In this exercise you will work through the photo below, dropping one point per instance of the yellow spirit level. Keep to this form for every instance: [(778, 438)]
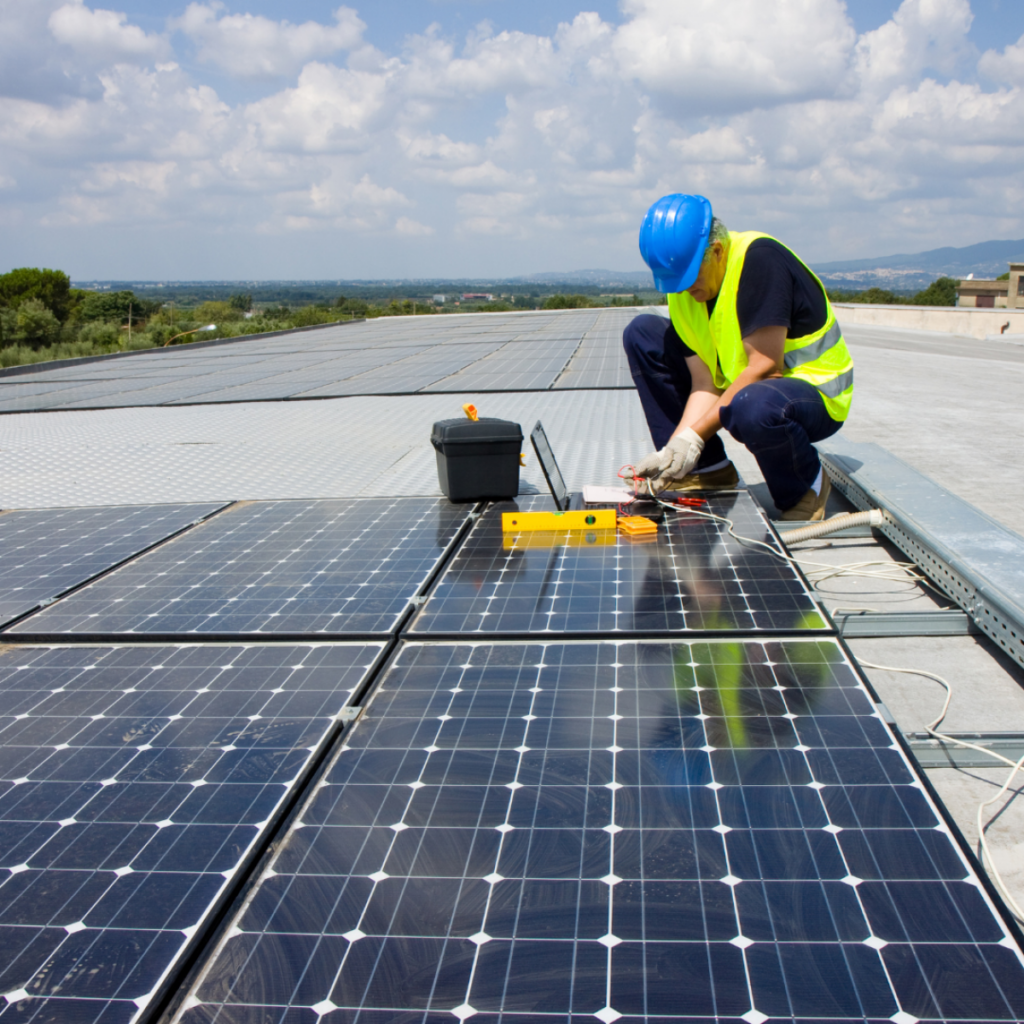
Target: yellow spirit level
[(598, 519)]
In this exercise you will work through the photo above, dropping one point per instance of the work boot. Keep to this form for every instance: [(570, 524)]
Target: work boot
[(724, 479), (811, 507)]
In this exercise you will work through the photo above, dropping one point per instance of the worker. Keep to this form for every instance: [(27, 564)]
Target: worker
[(751, 344)]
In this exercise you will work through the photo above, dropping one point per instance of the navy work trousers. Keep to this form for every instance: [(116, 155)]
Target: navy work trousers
[(776, 419)]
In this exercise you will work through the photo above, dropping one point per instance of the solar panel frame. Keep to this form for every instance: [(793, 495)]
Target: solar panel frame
[(472, 853), (35, 546), (299, 569), (140, 784), (691, 577)]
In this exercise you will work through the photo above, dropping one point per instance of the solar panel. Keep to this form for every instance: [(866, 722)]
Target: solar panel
[(411, 373), (516, 366), (632, 830), (44, 553), (136, 783), (692, 576), (345, 566)]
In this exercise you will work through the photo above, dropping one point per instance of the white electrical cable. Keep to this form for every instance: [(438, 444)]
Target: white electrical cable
[(887, 572), (1015, 766), (856, 569)]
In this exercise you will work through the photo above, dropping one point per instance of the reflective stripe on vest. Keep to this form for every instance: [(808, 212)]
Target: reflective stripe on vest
[(820, 358), (834, 388), (807, 354)]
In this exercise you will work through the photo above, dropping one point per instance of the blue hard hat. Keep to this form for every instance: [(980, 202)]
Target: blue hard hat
[(673, 238)]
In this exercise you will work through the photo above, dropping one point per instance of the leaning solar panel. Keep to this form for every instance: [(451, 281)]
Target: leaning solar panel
[(137, 782), (340, 566), (660, 831), (691, 576), (44, 553)]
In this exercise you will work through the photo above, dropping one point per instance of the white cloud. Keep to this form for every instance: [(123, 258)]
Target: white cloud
[(1007, 66), (511, 151), (719, 54), (251, 46), (103, 36), (329, 109), (412, 228), (922, 35)]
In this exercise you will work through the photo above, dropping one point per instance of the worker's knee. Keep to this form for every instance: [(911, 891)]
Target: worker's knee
[(644, 335), (752, 412)]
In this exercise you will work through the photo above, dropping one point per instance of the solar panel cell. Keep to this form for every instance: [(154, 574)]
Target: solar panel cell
[(692, 576), (128, 803), (335, 567), (467, 855), (44, 553)]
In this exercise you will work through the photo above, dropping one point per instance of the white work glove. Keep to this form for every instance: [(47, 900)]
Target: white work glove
[(673, 462)]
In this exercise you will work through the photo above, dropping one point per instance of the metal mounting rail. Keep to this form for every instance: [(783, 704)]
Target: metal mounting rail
[(933, 753), (970, 557), (932, 623)]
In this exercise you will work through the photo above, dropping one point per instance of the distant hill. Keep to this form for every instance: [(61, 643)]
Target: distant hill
[(902, 272), (631, 279), (911, 271)]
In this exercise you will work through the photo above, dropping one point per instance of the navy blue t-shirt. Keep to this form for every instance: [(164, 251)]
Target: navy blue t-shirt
[(775, 290)]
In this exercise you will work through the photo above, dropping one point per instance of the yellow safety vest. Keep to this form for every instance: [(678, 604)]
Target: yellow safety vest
[(822, 358)]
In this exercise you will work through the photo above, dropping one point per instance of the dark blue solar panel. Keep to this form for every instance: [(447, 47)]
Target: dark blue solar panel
[(692, 576), (333, 567), (133, 783), (43, 553), (654, 831)]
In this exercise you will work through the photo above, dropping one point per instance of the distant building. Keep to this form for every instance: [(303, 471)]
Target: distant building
[(486, 297), (439, 300), (1015, 290), (994, 294)]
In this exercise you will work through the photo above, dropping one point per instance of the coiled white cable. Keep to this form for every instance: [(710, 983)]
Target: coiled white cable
[(895, 572), (987, 860), (856, 569)]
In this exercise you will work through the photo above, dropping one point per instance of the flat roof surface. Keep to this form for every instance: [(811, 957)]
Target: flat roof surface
[(593, 774)]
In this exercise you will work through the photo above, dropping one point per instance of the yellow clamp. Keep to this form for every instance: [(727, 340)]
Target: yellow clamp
[(470, 410)]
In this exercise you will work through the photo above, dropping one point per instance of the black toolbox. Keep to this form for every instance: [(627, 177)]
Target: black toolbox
[(477, 459)]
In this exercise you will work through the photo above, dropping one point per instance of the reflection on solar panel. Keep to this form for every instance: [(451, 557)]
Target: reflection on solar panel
[(692, 576), (44, 553), (287, 567), (136, 782), (521, 365), (654, 830)]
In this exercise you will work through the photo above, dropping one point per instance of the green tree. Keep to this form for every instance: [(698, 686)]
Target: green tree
[(567, 302), (1004, 277), (114, 307), (880, 297), (216, 312), (50, 287), (35, 324), (939, 293), (101, 334), (242, 301), (8, 326)]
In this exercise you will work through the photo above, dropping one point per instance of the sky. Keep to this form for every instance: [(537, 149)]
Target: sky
[(253, 139)]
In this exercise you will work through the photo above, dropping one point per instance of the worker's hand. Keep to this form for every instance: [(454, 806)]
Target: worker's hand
[(683, 451), (672, 462), (652, 465)]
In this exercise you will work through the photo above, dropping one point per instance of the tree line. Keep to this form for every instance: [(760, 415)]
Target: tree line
[(941, 292), (43, 318)]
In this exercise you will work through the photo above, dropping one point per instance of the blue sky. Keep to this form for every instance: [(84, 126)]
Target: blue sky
[(995, 21), (255, 139)]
